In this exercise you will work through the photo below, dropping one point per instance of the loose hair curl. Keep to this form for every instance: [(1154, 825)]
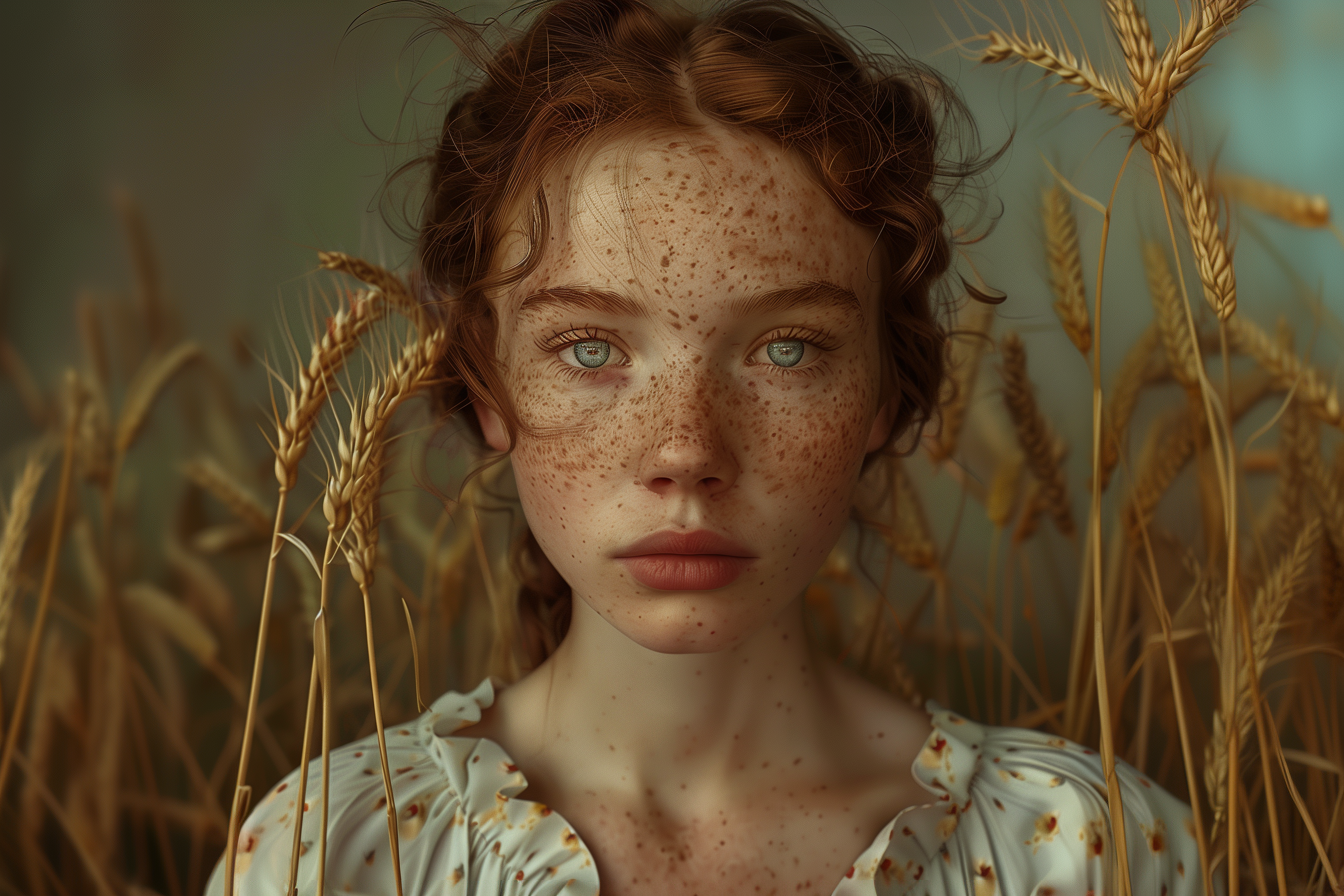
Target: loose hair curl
[(871, 129)]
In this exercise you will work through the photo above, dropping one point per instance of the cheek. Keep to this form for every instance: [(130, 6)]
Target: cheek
[(808, 437)]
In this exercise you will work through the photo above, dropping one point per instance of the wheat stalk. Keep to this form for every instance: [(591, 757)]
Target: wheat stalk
[(1009, 46), (1136, 40), (962, 375), (1040, 445), (304, 402), (1182, 353), (1208, 21), (350, 504), (48, 582), (1172, 443), (13, 536), (144, 388), (392, 287), (207, 473), (1137, 369), (1199, 205), (93, 445), (1271, 599), (1066, 267), (1302, 209), (1288, 371), (910, 536)]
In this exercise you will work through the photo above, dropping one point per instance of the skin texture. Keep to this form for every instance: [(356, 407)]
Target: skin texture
[(693, 738)]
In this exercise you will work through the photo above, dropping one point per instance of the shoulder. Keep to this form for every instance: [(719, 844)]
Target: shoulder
[(459, 828), (1019, 811)]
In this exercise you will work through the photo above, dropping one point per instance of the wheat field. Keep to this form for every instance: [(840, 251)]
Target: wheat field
[(170, 647)]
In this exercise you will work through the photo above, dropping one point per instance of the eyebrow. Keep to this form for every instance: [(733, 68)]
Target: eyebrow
[(815, 293)]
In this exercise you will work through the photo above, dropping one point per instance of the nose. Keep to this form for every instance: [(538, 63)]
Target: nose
[(688, 453)]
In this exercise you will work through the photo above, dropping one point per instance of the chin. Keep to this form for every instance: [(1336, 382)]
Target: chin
[(685, 622)]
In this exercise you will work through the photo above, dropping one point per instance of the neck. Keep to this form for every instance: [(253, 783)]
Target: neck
[(682, 728)]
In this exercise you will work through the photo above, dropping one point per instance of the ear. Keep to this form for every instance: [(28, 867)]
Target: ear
[(882, 424), (492, 425)]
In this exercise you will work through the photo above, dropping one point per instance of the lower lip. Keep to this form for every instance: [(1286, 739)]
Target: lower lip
[(685, 572)]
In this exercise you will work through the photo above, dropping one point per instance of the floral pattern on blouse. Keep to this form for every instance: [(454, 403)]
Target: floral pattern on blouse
[(1015, 813)]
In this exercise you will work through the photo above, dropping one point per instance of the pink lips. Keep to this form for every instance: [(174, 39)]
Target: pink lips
[(685, 561)]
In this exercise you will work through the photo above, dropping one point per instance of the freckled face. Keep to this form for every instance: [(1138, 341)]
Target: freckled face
[(696, 353)]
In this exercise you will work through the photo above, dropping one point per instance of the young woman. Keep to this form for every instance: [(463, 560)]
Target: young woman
[(687, 264)]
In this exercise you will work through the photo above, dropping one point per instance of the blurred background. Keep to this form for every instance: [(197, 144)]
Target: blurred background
[(252, 134)]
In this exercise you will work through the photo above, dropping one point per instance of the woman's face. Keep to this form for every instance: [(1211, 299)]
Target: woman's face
[(696, 366)]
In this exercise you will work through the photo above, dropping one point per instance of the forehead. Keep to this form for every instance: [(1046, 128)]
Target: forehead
[(718, 211)]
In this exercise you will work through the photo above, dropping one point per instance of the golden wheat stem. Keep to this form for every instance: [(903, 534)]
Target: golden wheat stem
[(963, 374), (309, 714), (1182, 728), (392, 834), (1107, 744), (1218, 426), (44, 592), (309, 719), (1277, 594), (12, 538), (54, 807), (242, 793)]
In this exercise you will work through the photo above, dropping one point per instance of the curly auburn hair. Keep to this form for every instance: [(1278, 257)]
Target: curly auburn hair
[(871, 129)]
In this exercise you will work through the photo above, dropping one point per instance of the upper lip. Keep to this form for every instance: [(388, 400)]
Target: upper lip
[(699, 541)]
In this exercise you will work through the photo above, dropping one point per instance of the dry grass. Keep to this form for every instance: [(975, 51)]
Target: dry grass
[(152, 685)]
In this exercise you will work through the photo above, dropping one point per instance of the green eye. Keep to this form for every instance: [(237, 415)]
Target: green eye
[(786, 352), (593, 353)]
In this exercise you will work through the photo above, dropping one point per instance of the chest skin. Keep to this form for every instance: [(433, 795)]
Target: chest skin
[(794, 839)]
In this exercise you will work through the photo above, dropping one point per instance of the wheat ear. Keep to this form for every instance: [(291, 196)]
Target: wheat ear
[(1286, 204), (48, 581), (208, 474), (1169, 308), (1136, 40), (12, 538), (351, 501), (1138, 368), (304, 402), (1066, 267), (1271, 599), (965, 367), (392, 287), (1010, 47), (1288, 370), (1208, 21), (1037, 438)]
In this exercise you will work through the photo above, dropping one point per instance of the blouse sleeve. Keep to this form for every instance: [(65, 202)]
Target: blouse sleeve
[(1021, 813), (460, 830)]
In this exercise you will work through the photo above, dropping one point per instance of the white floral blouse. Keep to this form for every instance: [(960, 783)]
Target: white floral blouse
[(1011, 812)]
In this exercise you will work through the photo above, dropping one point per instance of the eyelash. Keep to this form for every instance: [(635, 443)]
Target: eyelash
[(560, 340), (819, 339)]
